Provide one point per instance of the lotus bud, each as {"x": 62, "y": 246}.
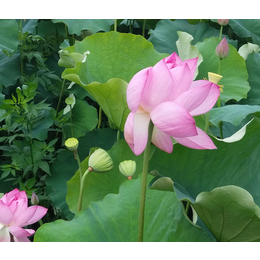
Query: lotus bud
{"x": 213, "y": 77}
{"x": 72, "y": 144}
{"x": 100, "y": 161}
{"x": 34, "y": 199}
{"x": 128, "y": 168}
{"x": 222, "y": 49}
{"x": 223, "y": 21}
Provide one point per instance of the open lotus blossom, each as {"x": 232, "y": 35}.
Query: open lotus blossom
{"x": 15, "y": 214}
{"x": 167, "y": 95}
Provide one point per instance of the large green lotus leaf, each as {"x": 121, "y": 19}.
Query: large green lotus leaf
{"x": 246, "y": 28}
{"x": 84, "y": 119}
{"x": 111, "y": 96}
{"x": 65, "y": 166}
{"x": 203, "y": 170}
{"x": 98, "y": 185}
{"x": 9, "y": 69}
{"x": 164, "y": 36}
{"x": 112, "y": 55}
{"x": 115, "y": 219}
{"x": 234, "y": 78}
{"x": 233, "y": 114}
{"x": 94, "y": 25}
{"x": 9, "y": 33}
{"x": 252, "y": 64}
{"x": 230, "y": 213}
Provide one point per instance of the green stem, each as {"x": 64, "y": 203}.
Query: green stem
{"x": 99, "y": 117}
{"x": 130, "y": 26}
{"x": 79, "y": 164}
{"x": 118, "y": 135}
{"x": 115, "y": 25}
{"x": 219, "y": 65}
{"x": 207, "y": 122}
{"x": 144, "y": 183}
{"x": 40, "y": 222}
{"x": 143, "y": 33}
{"x": 220, "y": 34}
{"x": 61, "y": 92}
{"x": 81, "y": 190}
{"x": 72, "y": 132}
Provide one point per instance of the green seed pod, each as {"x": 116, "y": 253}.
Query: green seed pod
{"x": 127, "y": 168}
{"x": 100, "y": 161}
{"x": 72, "y": 144}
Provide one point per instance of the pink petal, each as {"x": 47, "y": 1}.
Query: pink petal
{"x": 6, "y": 215}
{"x": 161, "y": 140}
{"x": 158, "y": 88}
{"x": 21, "y": 239}
{"x": 10, "y": 196}
{"x": 200, "y": 99}
{"x": 192, "y": 63}
{"x": 18, "y": 206}
{"x": 4, "y": 234}
{"x": 39, "y": 213}
{"x": 20, "y": 232}
{"x": 30, "y": 216}
{"x": 182, "y": 79}
{"x": 200, "y": 141}
{"x": 173, "y": 119}
{"x": 135, "y": 89}
{"x": 173, "y": 60}
{"x": 136, "y": 131}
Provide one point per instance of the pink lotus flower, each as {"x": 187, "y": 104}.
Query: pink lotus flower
{"x": 15, "y": 214}
{"x": 167, "y": 95}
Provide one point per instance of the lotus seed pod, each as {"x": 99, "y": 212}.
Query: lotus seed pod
{"x": 100, "y": 161}
{"x": 72, "y": 144}
{"x": 213, "y": 77}
{"x": 69, "y": 100}
{"x": 127, "y": 168}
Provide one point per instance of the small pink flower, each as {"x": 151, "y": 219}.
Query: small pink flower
{"x": 223, "y": 21}
{"x": 15, "y": 214}
{"x": 222, "y": 49}
{"x": 167, "y": 95}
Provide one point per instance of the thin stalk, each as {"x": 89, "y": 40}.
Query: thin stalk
{"x": 82, "y": 188}
{"x": 118, "y": 135}
{"x": 40, "y": 222}
{"x": 187, "y": 207}
{"x": 219, "y": 65}
{"x": 220, "y": 34}
{"x": 99, "y": 117}
{"x": 79, "y": 164}
{"x": 144, "y": 183}
{"x": 130, "y": 26}
{"x": 143, "y": 33}
{"x": 115, "y": 25}
{"x": 61, "y": 92}
{"x": 207, "y": 122}
{"x": 72, "y": 133}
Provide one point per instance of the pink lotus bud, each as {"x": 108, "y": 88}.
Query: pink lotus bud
{"x": 222, "y": 49}
{"x": 34, "y": 199}
{"x": 223, "y": 21}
